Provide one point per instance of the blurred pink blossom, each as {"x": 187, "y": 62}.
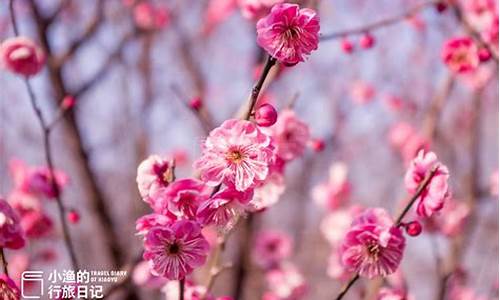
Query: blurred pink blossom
{"x": 286, "y": 283}
{"x": 290, "y": 135}
{"x": 460, "y": 54}
{"x": 11, "y": 233}
{"x": 271, "y": 247}
{"x": 256, "y": 9}
{"x": 335, "y": 192}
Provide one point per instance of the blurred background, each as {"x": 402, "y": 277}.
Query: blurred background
{"x": 133, "y": 74}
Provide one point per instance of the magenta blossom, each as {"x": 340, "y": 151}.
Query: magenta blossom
{"x": 36, "y": 180}
{"x": 433, "y": 197}
{"x": 290, "y": 135}
{"x": 372, "y": 246}
{"x": 11, "y": 233}
{"x": 176, "y": 250}
{"x": 460, "y": 54}
{"x": 9, "y": 289}
{"x": 289, "y": 33}
{"x": 183, "y": 197}
{"x": 223, "y": 207}
{"x": 236, "y": 153}
{"x": 22, "y": 56}
{"x": 154, "y": 174}
{"x": 271, "y": 248}
{"x": 36, "y": 224}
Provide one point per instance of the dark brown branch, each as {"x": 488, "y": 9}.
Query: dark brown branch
{"x": 48, "y": 157}
{"x": 4, "y": 262}
{"x": 379, "y": 24}
{"x": 105, "y": 67}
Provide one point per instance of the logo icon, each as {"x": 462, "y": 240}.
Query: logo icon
{"x": 32, "y": 278}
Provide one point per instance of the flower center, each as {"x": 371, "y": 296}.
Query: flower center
{"x": 173, "y": 248}
{"x": 292, "y": 33}
{"x": 167, "y": 176}
{"x": 235, "y": 156}
{"x": 373, "y": 250}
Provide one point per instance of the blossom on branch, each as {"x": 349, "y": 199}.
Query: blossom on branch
{"x": 289, "y": 33}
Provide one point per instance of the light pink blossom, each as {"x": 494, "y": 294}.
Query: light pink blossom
{"x": 336, "y": 268}
{"x": 223, "y": 207}
{"x": 268, "y": 193}
{"x": 236, "y": 153}
{"x": 11, "y": 233}
{"x": 256, "y": 9}
{"x": 176, "y": 250}
{"x": 335, "y": 225}
{"x": 460, "y": 54}
{"x": 271, "y": 247}
{"x": 451, "y": 222}
{"x": 141, "y": 276}
{"x": 289, "y": 33}
{"x": 362, "y": 92}
{"x": 433, "y": 197}
{"x": 22, "y": 56}
{"x": 335, "y": 192}
{"x": 154, "y": 174}
{"x": 286, "y": 283}
{"x": 290, "y": 135}
{"x": 392, "y": 294}
{"x": 372, "y": 246}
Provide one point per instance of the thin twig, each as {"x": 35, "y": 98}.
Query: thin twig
{"x": 4, "y": 262}
{"x": 182, "y": 287}
{"x": 48, "y": 155}
{"x": 379, "y": 24}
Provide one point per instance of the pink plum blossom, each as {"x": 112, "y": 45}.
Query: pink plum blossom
{"x": 146, "y": 222}
{"x": 22, "y": 56}
{"x": 392, "y": 294}
{"x": 36, "y": 224}
{"x": 335, "y": 225}
{"x": 289, "y": 33}
{"x": 290, "y": 135}
{"x": 433, "y": 197}
{"x": 494, "y": 183}
{"x": 286, "y": 283}
{"x": 141, "y": 276}
{"x": 362, "y": 92}
{"x": 236, "y": 153}
{"x": 335, "y": 191}
{"x": 149, "y": 17}
{"x": 223, "y": 207}
{"x": 256, "y": 9}
{"x": 11, "y": 232}
{"x": 176, "y": 250}
{"x": 154, "y": 174}
{"x": 267, "y": 194}
{"x": 183, "y": 197}
{"x": 271, "y": 247}
{"x": 217, "y": 12}
{"x": 335, "y": 268}
{"x": 373, "y": 246}
{"x": 453, "y": 218}
{"x": 37, "y": 180}
{"x": 460, "y": 54}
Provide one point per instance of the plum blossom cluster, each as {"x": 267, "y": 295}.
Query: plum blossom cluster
{"x": 369, "y": 242}
{"x": 272, "y": 251}
{"x": 24, "y": 217}
{"x": 240, "y": 169}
